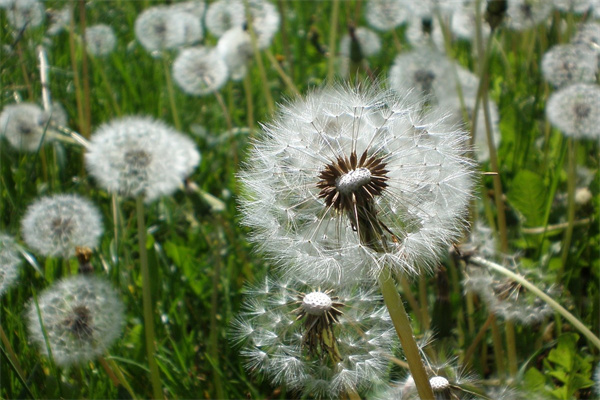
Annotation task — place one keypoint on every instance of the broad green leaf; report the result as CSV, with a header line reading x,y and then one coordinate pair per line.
x,y
535,379
527,196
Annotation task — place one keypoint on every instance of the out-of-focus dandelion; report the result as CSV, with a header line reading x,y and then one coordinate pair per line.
x,y
575,110
235,48
25,125
223,15
506,298
136,156
385,15
567,64
588,34
318,342
9,262
56,225
59,20
195,7
100,40
81,317
423,71
160,28
526,14
463,21
200,71
355,174
425,34
355,46
575,6
25,14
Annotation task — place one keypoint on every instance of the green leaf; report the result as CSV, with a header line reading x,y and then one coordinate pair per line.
x,y
535,379
564,352
527,196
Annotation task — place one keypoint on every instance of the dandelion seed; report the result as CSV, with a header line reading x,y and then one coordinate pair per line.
x,y
9,262
160,28
318,342
200,71
55,225
235,48
81,315
564,65
25,14
385,15
24,125
136,156
526,14
575,111
351,179
100,40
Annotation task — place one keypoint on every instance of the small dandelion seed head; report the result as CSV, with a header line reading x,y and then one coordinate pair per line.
x,y
223,15
55,225
321,343
82,316
100,40
159,28
200,71
355,174
575,110
588,34
566,64
525,14
24,125
385,15
235,48
463,21
197,8
59,20
10,262
137,156
25,14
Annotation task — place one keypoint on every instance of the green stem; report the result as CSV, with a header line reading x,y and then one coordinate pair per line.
x,y
498,350
171,92
147,301
539,293
393,302
571,183
511,348
332,38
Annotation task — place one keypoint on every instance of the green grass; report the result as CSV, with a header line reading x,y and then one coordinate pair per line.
x,y
200,259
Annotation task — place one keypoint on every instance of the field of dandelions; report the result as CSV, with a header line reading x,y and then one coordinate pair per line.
x,y
357,199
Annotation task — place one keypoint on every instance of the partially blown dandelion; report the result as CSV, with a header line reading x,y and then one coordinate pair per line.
x,y
82,316
56,225
351,179
319,342
136,156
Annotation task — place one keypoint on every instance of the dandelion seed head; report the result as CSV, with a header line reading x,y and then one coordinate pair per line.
x,y
197,8
235,48
368,41
439,383
223,15
564,65
575,110
199,71
588,34
425,34
25,14
10,262
318,342
159,28
55,225
525,14
575,6
463,21
100,40
137,156
82,316
349,179
385,15
24,125
59,20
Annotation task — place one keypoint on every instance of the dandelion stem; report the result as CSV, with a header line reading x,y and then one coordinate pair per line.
x,y
286,79
393,302
114,368
539,293
75,70
87,108
171,92
147,301
498,349
571,182
511,348
471,350
332,38
10,353
249,103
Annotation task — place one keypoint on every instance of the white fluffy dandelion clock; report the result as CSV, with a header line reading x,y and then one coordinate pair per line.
x,y
81,317
55,225
200,71
9,262
26,126
575,110
322,343
351,179
136,156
